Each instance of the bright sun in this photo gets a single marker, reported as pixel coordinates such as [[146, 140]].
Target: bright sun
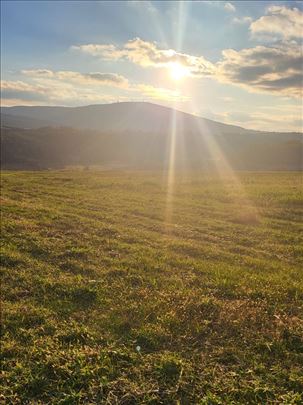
[[178, 71]]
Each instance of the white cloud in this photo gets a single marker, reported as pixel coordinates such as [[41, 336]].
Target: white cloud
[[104, 51], [147, 54], [276, 70], [242, 20], [282, 21], [19, 89], [109, 79], [230, 7], [47, 86], [50, 92]]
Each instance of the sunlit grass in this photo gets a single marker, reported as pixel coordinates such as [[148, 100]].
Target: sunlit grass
[[213, 297]]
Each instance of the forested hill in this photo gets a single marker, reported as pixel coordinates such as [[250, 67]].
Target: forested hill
[[137, 135]]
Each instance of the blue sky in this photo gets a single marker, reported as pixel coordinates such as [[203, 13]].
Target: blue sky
[[237, 62]]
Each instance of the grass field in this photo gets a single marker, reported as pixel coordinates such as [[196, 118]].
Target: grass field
[[208, 283]]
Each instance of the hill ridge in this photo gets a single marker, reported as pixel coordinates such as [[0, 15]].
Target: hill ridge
[[64, 115]]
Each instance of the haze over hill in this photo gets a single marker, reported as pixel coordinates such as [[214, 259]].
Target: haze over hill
[[137, 134], [124, 116]]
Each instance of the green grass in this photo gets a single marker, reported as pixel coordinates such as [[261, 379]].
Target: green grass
[[93, 266]]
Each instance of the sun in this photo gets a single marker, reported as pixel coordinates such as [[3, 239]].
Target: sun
[[178, 71]]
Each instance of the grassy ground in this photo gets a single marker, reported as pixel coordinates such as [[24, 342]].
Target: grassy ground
[[213, 297]]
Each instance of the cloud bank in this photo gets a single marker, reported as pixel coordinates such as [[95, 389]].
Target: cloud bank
[[110, 79], [22, 90], [148, 54], [276, 69], [50, 86], [279, 21]]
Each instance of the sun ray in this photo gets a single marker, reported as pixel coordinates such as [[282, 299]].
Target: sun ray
[[171, 173], [223, 167]]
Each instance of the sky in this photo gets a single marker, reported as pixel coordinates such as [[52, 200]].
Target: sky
[[238, 62]]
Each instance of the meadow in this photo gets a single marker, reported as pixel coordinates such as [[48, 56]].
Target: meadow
[[117, 289]]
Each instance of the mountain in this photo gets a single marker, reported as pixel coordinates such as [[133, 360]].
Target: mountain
[[125, 116], [128, 116], [137, 135], [17, 121]]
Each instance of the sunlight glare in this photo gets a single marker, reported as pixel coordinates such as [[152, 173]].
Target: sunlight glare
[[178, 71]]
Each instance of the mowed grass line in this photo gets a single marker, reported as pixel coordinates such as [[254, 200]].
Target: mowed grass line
[[91, 270]]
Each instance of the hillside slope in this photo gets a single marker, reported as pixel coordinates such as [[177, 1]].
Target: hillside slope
[[126, 116], [138, 135], [17, 121]]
